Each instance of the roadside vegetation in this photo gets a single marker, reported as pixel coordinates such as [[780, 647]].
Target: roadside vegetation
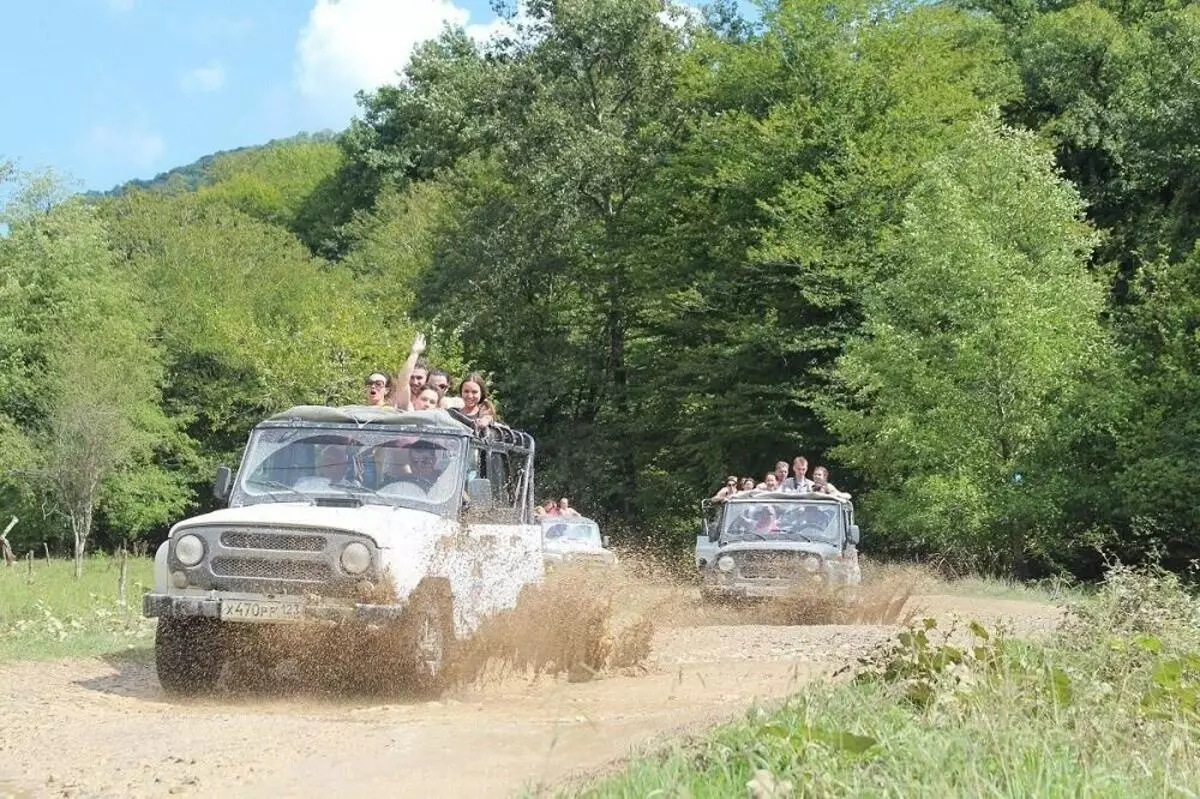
[[46, 613], [1107, 705]]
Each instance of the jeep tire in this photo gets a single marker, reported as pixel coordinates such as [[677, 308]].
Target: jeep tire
[[428, 631]]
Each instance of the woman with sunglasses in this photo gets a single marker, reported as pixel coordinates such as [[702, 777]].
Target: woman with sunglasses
[[730, 487], [378, 386]]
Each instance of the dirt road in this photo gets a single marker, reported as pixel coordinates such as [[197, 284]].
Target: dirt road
[[104, 728]]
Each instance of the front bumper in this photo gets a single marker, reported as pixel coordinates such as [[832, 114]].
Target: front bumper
[[735, 587], [182, 607], [748, 591]]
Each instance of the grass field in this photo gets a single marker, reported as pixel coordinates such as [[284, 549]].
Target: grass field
[[1107, 706], [51, 614]]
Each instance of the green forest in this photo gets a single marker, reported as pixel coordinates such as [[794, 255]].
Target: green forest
[[948, 249]]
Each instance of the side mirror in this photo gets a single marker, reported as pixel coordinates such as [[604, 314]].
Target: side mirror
[[222, 483], [606, 541], [854, 534], [480, 492]]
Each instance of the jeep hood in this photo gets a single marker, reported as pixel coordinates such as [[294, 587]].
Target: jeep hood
[[822, 548], [382, 523]]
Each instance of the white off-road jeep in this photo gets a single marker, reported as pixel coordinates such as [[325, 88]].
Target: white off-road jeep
[[761, 544], [574, 540], [415, 523]]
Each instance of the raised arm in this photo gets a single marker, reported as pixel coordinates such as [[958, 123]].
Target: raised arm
[[403, 397]]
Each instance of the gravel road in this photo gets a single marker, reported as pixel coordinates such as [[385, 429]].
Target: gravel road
[[103, 727]]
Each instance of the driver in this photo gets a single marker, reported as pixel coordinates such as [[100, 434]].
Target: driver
[[814, 517], [765, 520], [424, 458]]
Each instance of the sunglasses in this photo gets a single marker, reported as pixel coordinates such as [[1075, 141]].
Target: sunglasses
[[375, 383]]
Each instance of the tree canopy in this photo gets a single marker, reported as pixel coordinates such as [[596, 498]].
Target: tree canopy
[[948, 249]]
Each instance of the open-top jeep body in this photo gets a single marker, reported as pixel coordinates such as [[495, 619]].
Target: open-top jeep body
[[416, 523], [762, 544], [574, 540]]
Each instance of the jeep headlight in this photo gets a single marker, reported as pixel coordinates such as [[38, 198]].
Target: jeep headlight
[[356, 558], [189, 550], [725, 563], [812, 563]]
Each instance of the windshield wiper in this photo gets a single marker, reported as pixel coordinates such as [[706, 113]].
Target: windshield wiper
[[355, 487], [284, 486], [742, 536]]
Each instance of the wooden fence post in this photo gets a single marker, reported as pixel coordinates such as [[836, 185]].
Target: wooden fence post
[[9, 557], [29, 560], [121, 578], [46, 548]]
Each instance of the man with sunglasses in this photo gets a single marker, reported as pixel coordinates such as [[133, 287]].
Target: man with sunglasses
[[438, 380]]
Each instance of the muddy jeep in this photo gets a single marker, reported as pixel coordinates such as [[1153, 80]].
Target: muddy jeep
[[762, 544], [409, 528]]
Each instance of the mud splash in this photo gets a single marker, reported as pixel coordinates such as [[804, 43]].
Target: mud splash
[[580, 623], [575, 624]]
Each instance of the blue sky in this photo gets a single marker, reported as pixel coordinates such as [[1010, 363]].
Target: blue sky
[[108, 90]]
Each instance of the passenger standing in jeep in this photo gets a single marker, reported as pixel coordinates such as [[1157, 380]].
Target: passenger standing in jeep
[[821, 484], [476, 402], [799, 481], [378, 386], [412, 376]]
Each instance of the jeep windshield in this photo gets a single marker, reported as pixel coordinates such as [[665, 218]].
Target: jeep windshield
[[583, 531], [782, 521], [421, 469]]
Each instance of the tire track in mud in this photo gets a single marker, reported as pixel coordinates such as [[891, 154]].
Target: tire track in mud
[[104, 727]]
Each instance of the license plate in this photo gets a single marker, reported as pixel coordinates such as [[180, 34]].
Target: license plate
[[255, 610]]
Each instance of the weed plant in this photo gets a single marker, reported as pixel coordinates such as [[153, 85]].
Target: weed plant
[[51, 614], [1106, 706]]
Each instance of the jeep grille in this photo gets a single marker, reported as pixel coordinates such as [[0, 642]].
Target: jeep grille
[[273, 541], [772, 565], [276, 560], [262, 569]]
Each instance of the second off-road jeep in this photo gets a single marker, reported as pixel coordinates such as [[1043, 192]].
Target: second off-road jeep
[[762, 544]]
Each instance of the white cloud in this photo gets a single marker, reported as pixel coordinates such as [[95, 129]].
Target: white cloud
[[484, 32], [133, 145], [208, 78], [348, 45]]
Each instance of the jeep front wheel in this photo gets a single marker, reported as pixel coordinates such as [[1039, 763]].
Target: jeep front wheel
[[429, 637], [188, 655]]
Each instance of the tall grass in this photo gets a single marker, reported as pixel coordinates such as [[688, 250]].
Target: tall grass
[[47, 613], [1109, 705]]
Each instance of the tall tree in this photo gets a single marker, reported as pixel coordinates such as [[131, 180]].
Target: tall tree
[[82, 377], [541, 268], [976, 343]]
